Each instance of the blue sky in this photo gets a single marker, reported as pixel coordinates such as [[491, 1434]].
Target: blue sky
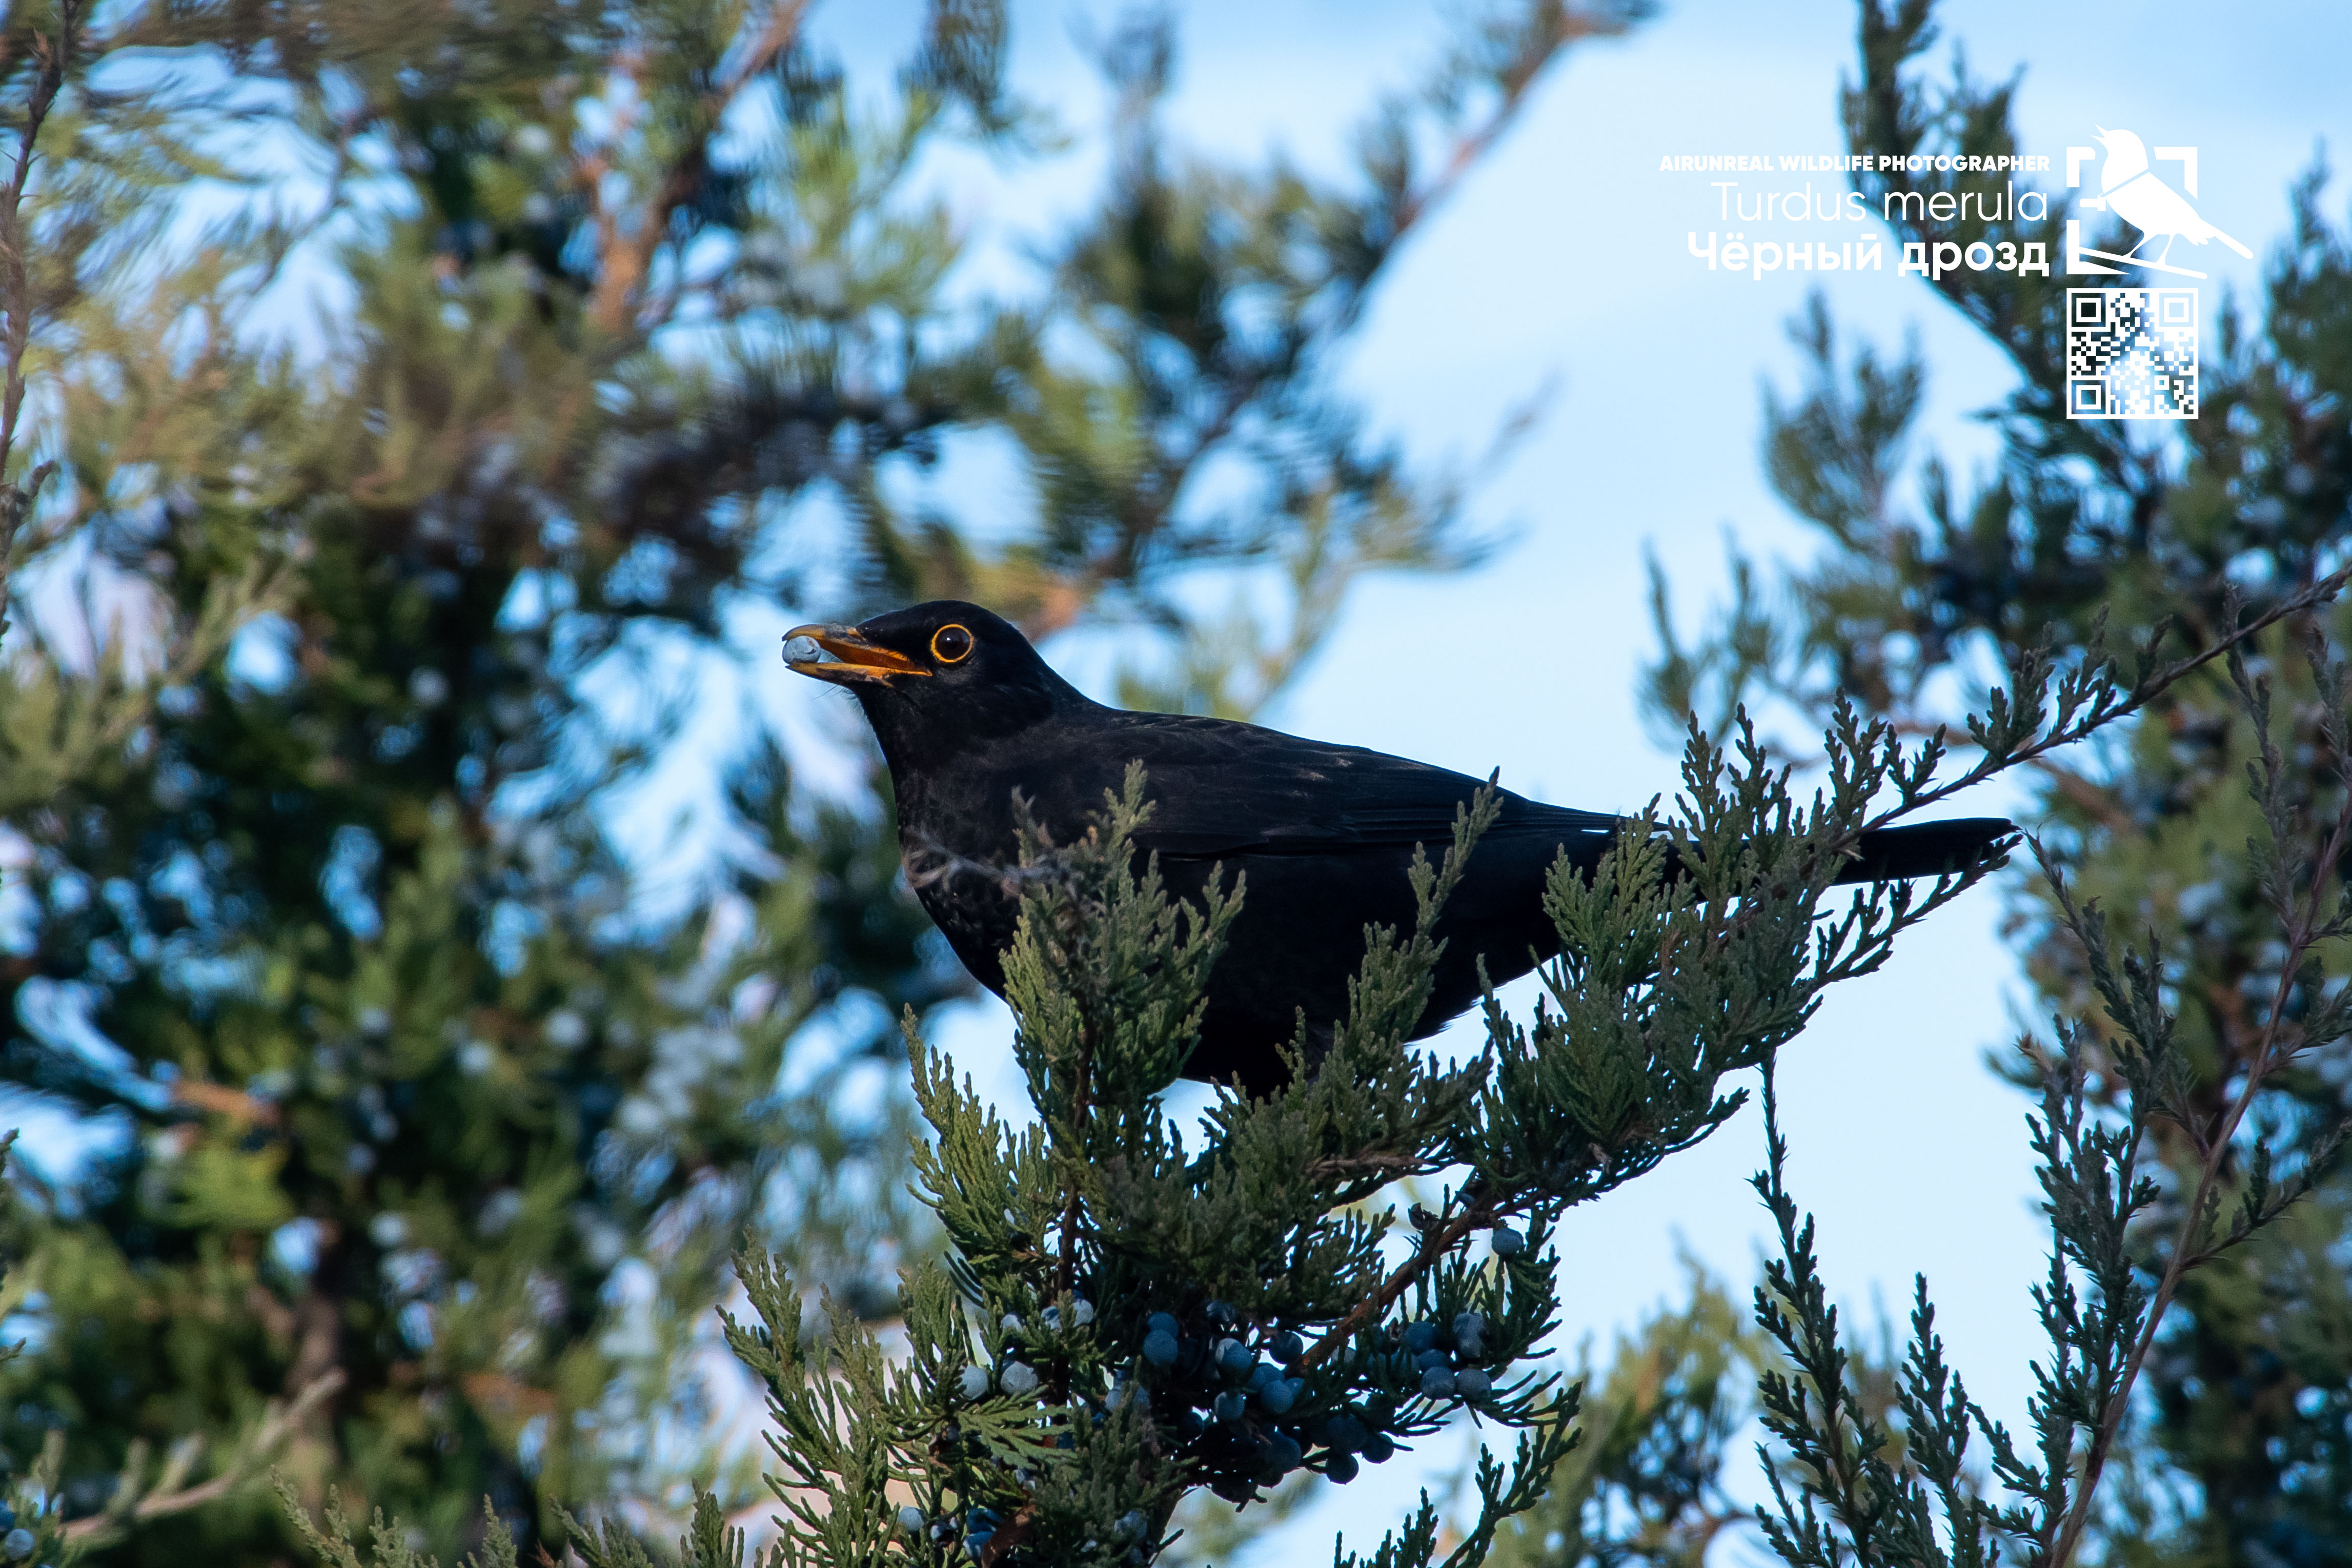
[[1564, 256]]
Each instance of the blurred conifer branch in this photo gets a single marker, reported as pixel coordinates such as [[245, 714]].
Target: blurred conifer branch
[[47, 58], [139, 1498]]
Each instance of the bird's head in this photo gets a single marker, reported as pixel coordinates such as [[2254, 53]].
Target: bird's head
[[2126, 155], [932, 678]]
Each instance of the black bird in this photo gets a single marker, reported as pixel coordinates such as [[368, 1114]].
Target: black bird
[[968, 714]]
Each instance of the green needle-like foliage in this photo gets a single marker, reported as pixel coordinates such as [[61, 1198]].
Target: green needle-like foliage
[[420, 1117], [1123, 1313], [2104, 1301], [1124, 1317], [2193, 1407]]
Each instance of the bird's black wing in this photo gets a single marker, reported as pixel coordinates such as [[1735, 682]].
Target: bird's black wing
[[1221, 789]]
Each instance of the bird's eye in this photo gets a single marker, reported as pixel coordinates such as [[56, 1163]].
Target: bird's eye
[[950, 644]]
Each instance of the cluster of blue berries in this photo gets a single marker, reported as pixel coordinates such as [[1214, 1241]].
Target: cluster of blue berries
[[1232, 1403], [18, 1542], [1244, 1411], [974, 1527], [1237, 1402], [1014, 1375], [1448, 1367]]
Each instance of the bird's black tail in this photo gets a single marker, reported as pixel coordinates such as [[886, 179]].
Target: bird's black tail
[[1927, 849]]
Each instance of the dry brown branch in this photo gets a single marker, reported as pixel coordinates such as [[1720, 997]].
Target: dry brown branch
[[626, 251], [1514, 82], [136, 1502]]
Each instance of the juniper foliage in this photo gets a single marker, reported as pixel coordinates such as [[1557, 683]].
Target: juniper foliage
[[2238, 1451], [1648, 1482], [399, 1082], [1124, 1316], [2105, 1298], [32, 1519]]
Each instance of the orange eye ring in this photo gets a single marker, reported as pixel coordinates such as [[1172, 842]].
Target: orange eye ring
[[951, 644]]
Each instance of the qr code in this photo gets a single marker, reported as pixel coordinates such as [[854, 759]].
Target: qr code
[[2131, 353]]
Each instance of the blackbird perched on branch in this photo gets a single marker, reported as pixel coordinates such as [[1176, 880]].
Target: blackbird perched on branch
[[968, 715]]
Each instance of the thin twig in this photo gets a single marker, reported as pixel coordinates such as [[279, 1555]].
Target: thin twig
[[128, 1507], [2304, 932], [1513, 85], [2098, 716], [1436, 1242]]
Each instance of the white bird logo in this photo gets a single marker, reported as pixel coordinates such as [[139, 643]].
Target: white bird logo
[[2131, 189]]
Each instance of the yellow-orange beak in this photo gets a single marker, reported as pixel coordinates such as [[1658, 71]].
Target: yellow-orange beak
[[853, 658]]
